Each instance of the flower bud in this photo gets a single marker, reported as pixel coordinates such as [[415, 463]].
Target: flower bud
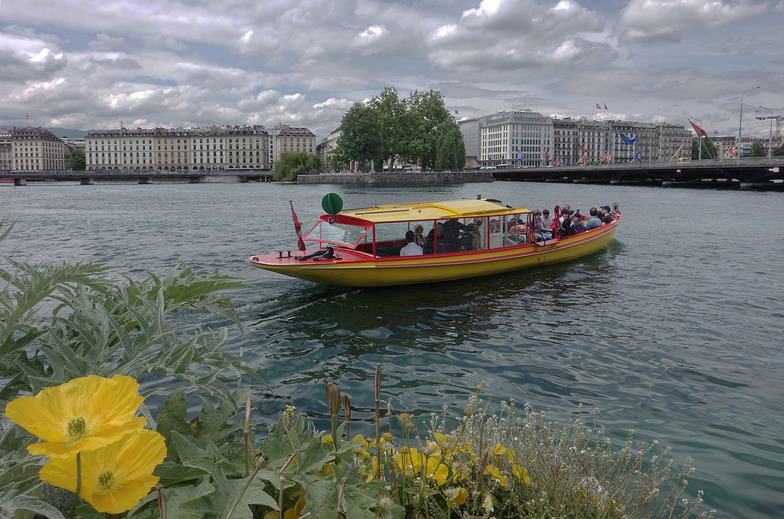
[[333, 397]]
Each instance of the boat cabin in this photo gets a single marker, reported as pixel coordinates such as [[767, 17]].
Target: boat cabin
[[448, 227]]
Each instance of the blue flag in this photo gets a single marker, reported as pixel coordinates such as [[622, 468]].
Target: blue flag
[[628, 140], [638, 157], [520, 155]]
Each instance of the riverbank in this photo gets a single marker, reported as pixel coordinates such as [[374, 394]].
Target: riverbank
[[398, 177]]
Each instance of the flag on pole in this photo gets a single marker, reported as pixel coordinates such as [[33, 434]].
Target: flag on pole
[[628, 140], [546, 154], [605, 107], [598, 106], [520, 155], [638, 157], [732, 150], [580, 146], [297, 228], [700, 131], [677, 153], [608, 158], [715, 132], [456, 112]]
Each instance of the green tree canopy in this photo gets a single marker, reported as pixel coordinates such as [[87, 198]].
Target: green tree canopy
[[292, 163], [416, 129], [76, 161], [779, 152], [708, 149], [758, 149]]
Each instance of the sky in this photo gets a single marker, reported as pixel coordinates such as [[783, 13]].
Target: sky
[[94, 64]]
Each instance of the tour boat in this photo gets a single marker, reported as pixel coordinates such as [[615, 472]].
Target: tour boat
[[469, 238]]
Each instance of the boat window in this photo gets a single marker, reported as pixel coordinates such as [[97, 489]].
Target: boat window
[[340, 234], [457, 234], [508, 230], [390, 237]]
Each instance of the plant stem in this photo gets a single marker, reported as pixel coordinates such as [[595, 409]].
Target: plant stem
[[78, 484]]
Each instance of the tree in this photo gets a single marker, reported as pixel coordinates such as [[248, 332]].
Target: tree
[[390, 112], [426, 112], [708, 149], [292, 163], [417, 129], [360, 136], [450, 149], [758, 149], [76, 161], [779, 152]]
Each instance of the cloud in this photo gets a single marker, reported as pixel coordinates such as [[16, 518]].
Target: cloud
[[665, 20]]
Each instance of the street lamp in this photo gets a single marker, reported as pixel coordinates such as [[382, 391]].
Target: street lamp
[[740, 124], [661, 129], [770, 135]]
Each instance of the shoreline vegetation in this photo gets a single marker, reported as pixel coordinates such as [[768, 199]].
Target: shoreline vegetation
[[69, 328]]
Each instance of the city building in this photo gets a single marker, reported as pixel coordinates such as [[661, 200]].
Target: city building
[[575, 140], [35, 149], [287, 138], [6, 157], [214, 148], [326, 146], [520, 138]]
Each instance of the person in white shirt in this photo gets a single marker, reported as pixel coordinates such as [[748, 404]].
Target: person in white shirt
[[412, 249]]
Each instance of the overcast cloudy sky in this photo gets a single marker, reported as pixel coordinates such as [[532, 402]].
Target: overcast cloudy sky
[[89, 64]]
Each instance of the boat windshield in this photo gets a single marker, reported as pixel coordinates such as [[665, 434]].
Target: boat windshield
[[340, 234]]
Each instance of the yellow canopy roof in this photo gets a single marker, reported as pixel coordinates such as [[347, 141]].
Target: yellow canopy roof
[[433, 210]]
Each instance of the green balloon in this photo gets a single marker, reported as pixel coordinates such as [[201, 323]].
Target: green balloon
[[332, 203]]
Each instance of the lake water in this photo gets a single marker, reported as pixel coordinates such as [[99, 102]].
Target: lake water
[[675, 330]]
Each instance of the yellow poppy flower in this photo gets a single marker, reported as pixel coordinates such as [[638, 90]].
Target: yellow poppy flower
[[521, 474], [80, 415], [115, 477], [496, 475]]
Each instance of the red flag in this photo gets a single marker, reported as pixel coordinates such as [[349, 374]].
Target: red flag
[[716, 132], [546, 154], [732, 150], [298, 228], [598, 106], [700, 131], [456, 112]]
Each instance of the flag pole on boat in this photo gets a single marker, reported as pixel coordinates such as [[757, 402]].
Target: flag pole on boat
[[297, 228]]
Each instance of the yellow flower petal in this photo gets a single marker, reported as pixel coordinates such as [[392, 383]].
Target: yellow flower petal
[[82, 414], [114, 477], [437, 471], [456, 496], [521, 474]]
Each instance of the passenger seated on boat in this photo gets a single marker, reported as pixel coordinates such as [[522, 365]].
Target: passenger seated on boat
[[606, 216], [565, 229], [547, 221], [470, 238], [594, 221], [411, 249], [429, 247], [451, 235], [495, 225], [539, 232], [577, 224], [419, 238]]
